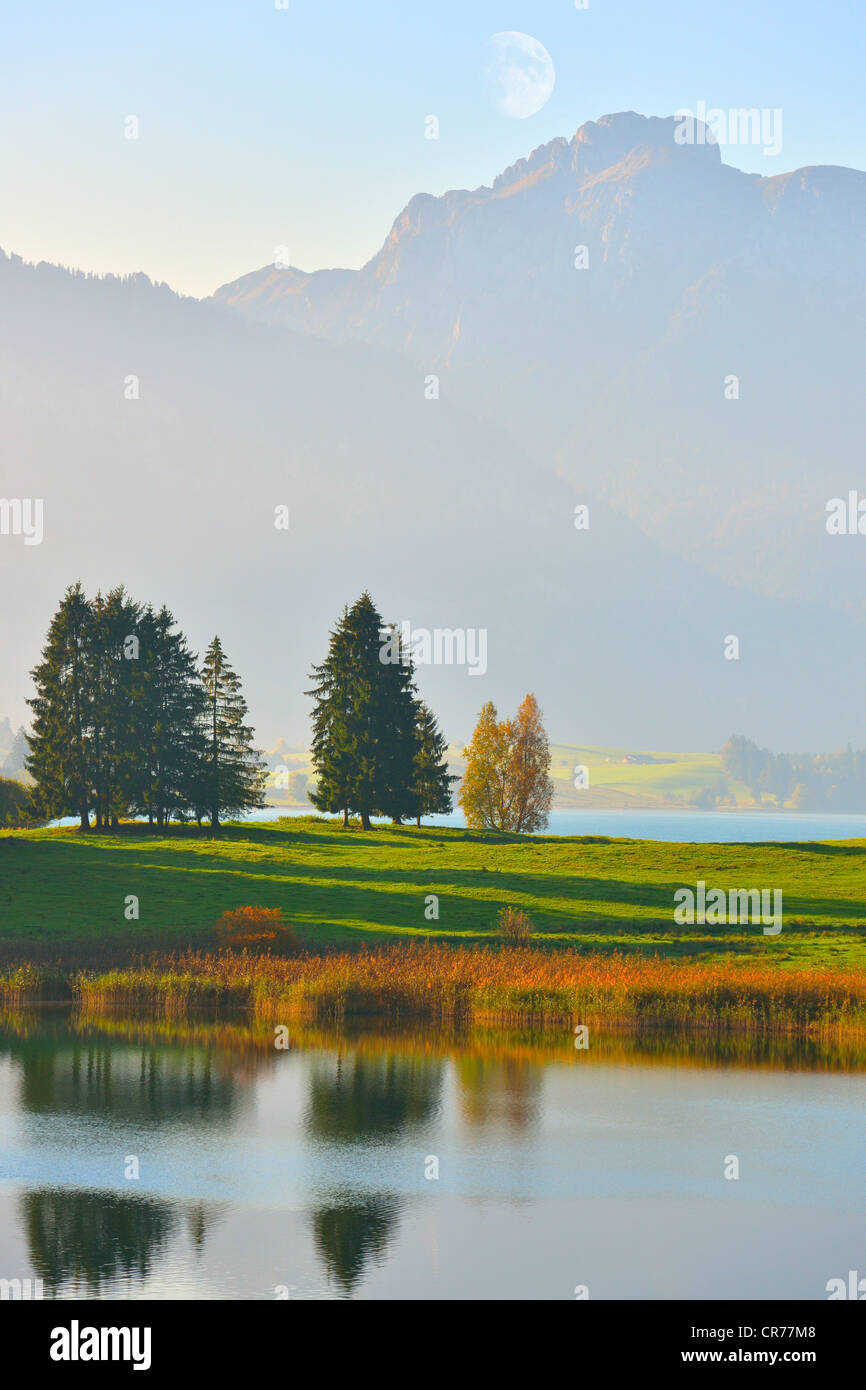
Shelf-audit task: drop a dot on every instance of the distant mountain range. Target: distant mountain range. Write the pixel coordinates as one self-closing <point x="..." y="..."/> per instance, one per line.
<point x="614" y="374"/>
<point x="162" y="432"/>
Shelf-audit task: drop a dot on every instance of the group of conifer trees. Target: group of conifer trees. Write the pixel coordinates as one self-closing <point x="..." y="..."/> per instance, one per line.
<point x="126" y="724"/>
<point x="377" y="748"/>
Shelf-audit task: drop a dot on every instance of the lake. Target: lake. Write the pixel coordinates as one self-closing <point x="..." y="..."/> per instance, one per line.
<point x="312" y="1172"/>
<point x="699" y="827"/>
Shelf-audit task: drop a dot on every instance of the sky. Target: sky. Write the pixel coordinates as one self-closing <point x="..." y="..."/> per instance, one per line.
<point x="304" y="127"/>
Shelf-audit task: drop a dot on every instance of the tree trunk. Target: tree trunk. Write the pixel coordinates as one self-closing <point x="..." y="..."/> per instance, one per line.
<point x="85" y="819"/>
<point x="215" y="810"/>
<point x="345" y="818"/>
<point x="365" y="821"/>
<point x="418" y="822"/>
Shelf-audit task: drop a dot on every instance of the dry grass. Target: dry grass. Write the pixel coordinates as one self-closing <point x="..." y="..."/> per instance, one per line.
<point x="437" y="982"/>
<point x="515" y="926"/>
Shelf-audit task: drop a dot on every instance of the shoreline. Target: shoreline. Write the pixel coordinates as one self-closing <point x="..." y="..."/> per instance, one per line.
<point x="236" y="1030"/>
<point x="520" y="986"/>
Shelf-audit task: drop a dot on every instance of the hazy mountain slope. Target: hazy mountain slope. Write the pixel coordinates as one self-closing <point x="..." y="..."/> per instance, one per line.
<point x="439" y="514"/>
<point x="616" y="374"/>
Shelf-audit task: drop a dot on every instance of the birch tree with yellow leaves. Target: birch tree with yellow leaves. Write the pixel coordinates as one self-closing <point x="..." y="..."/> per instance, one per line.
<point x="506" y="784"/>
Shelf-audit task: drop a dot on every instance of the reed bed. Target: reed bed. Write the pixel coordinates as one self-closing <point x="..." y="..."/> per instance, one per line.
<point x="21" y="984"/>
<point x="478" y="984"/>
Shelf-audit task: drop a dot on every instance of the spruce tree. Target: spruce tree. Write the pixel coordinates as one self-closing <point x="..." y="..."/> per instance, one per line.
<point x="115" y="691"/>
<point x="60" y="755"/>
<point x="232" y="775"/>
<point x="431" y="780"/>
<point x="363" y="721"/>
<point x="169" y="720"/>
<point x="399" y="718"/>
<point x="332" y="750"/>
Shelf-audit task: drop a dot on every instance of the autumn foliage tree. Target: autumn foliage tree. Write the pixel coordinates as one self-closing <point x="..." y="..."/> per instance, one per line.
<point x="530" y="768"/>
<point x="484" y="792"/>
<point x="506" y="784"/>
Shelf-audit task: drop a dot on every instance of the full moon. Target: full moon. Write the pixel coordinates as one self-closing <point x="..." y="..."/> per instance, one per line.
<point x="520" y="71"/>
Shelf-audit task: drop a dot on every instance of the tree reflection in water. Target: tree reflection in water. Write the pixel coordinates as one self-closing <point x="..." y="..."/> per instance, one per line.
<point x="87" y="1240"/>
<point x="350" y="1235"/>
<point x="357" y="1099"/>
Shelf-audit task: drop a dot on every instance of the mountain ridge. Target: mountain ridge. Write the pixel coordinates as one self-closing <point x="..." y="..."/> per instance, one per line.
<point x="605" y="368"/>
<point x="596" y="148"/>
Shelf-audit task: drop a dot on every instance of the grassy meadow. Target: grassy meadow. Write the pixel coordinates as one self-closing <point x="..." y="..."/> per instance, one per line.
<point x="351" y="888"/>
<point x="604" y="941"/>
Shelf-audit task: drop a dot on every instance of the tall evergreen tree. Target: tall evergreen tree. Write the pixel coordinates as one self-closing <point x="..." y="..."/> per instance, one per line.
<point x="399" y="703"/>
<point x="233" y="772"/>
<point x="364" y="719"/>
<point x="169" y="721"/>
<point x="115" y="690"/>
<point x="333" y="746"/>
<point x="431" y="780"/>
<point x="60" y="755"/>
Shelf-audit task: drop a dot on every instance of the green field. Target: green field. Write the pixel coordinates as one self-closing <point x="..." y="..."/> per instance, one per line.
<point x="60" y="888"/>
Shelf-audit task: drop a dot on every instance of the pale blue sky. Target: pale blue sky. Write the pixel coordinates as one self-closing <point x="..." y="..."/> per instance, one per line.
<point x="261" y="127"/>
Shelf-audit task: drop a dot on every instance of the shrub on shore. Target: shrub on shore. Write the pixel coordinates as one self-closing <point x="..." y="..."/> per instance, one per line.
<point x="255" y="927"/>
<point x="515" y="926"/>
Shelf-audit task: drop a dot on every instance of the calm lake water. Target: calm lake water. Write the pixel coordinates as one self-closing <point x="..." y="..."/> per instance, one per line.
<point x="305" y="1170"/>
<point x="700" y="827"/>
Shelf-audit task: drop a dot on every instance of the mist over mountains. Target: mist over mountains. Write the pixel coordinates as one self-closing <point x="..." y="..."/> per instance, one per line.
<point x="557" y="386"/>
<point x="615" y="374"/>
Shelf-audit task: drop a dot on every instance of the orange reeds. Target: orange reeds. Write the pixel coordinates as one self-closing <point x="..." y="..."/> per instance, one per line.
<point x="510" y="982"/>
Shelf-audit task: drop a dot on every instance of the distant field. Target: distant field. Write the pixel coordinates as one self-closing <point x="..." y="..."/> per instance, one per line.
<point x="627" y="777"/>
<point x="59" y="887"/>
<point x="619" y="778"/>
